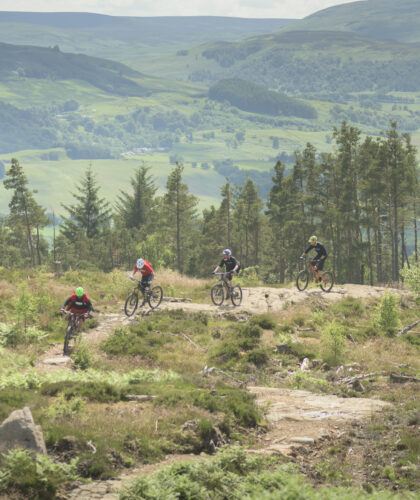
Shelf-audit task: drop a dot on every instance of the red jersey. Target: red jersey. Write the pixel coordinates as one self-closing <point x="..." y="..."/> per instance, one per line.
<point x="146" y="270"/>
<point x="77" y="304"/>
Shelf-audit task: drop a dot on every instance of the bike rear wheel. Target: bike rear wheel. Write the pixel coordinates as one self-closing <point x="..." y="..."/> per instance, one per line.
<point x="236" y="295"/>
<point x="327" y="281"/>
<point x="302" y="280"/>
<point x="131" y="303"/>
<point x="154" y="298"/>
<point x="217" y="294"/>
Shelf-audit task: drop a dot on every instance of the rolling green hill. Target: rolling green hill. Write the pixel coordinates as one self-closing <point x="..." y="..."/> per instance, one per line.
<point x="382" y="19"/>
<point x="256" y="99"/>
<point x="22" y="61"/>
<point x="306" y="62"/>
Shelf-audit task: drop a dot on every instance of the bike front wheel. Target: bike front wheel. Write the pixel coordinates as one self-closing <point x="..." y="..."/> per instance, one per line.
<point x="131" y="304"/>
<point x="327" y="281"/>
<point x="236" y="295"/>
<point x="67" y="338"/>
<point x="302" y="280"/>
<point x="217" y="295"/>
<point x="154" y="298"/>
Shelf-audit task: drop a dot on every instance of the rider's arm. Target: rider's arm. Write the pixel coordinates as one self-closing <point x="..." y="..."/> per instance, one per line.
<point x="66" y="303"/>
<point x="217" y="268"/>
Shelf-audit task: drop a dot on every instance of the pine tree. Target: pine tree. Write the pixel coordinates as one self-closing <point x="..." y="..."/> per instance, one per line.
<point x="137" y="209"/>
<point x="90" y="215"/>
<point x="179" y="217"/>
<point x="25" y="212"/>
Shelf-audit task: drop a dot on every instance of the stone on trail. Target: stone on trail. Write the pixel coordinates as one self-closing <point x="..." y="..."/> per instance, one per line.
<point x="20" y="431"/>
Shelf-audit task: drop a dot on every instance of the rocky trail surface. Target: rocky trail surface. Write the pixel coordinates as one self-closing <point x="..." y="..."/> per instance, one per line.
<point x="297" y="419"/>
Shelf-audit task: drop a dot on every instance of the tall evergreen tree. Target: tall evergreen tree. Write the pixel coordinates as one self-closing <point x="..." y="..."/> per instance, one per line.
<point x="137" y="209"/>
<point x="180" y="217"/>
<point x="25" y="212"/>
<point x="90" y="215"/>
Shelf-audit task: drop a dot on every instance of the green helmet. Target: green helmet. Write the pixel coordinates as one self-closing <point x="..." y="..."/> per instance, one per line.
<point x="313" y="239"/>
<point x="79" y="291"/>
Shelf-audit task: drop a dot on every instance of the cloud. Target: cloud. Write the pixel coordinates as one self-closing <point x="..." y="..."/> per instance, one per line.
<point x="233" y="8"/>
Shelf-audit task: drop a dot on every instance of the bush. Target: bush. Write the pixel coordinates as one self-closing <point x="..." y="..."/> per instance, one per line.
<point x="412" y="279"/>
<point x="82" y="357"/>
<point x="386" y="318"/>
<point x="258" y="357"/>
<point x="35" y="478"/>
<point x="333" y="341"/>
<point x="264" y="321"/>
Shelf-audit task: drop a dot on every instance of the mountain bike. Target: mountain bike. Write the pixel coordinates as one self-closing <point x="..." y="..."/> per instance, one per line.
<point x="222" y="289"/>
<point x="302" y="280"/>
<point x="153" y="296"/>
<point x="74" y="324"/>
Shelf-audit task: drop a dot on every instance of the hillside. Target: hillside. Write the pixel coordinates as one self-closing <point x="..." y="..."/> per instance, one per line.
<point x="381" y="19"/>
<point x="250" y="97"/>
<point x="21" y="61"/>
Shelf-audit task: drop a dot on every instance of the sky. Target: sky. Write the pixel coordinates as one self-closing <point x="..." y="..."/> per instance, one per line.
<point x="295" y="9"/>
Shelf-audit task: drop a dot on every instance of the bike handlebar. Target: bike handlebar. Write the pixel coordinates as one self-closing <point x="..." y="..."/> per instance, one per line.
<point x="74" y="314"/>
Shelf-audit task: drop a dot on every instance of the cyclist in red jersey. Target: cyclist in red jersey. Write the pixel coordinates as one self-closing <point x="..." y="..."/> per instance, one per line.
<point x="78" y="303"/>
<point x="146" y="270"/>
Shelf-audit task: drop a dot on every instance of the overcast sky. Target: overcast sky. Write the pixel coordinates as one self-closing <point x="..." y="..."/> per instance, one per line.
<point x="234" y="8"/>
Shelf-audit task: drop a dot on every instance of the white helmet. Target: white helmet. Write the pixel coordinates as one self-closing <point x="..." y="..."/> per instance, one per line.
<point x="140" y="263"/>
<point x="227" y="252"/>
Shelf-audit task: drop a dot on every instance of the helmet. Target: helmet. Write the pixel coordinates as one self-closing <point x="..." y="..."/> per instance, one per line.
<point x="140" y="263"/>
<point x="227" y="252"/>
<point x="79" y="291"/>
<point x="313" y="239"/>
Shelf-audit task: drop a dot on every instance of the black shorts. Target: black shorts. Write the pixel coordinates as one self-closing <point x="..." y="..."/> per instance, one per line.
<point x="319" y="264"/>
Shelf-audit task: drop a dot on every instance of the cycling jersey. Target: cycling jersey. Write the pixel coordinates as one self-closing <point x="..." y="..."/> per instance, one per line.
<point x="77" y="304"/>
<point x="230" y="263"/>
<point x="146" y="270"/>
<point x="320" y="251"/>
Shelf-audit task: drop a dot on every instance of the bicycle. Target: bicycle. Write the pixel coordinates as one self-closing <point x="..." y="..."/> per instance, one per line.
<point x="218" y="293"/>
<point x="302" y="280"/>
<point x="73" y="327"/>
<point x="153" y="297"/>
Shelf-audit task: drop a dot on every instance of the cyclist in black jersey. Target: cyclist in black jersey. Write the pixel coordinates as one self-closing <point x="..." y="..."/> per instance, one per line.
<point x="231" y="264"/>
<point x="320" y="257"/>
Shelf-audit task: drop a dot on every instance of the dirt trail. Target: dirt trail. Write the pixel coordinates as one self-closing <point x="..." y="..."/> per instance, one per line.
<point x="265" y="299"/>
<point x="297" y="419"/>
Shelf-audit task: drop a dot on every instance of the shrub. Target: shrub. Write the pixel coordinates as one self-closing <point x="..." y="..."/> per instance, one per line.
<point x="258" y="357"/>
<point x="13" y="335"/>
<point x="386" y="318"/>
<point x="333" y="341"/>
<point x="412" y="278"/>
<point x="35" y="478"/>
<point x="264" y="321"/>
<point x="82" y="356"/>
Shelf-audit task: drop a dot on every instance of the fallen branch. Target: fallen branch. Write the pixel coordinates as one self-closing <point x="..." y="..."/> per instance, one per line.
<point x="176" y="299"/>
<point x="408" y="327"/>
<point x="207" y="371"/>
<point x="402" y="379"/>
<point x="351" y="380"/>
<point x="140" y="397"/>
<point x="187" y="338"/>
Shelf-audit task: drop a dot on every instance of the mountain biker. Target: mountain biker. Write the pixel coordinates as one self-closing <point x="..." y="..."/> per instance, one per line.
<point x="319" y="260"/>
<point x="231" y="264"/>
<point x="78" y="303"/>
<point x="146" y="271"/>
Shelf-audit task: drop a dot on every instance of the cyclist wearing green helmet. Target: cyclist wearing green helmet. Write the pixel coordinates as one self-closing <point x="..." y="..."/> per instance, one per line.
<point x="78" y="303"/>
<point x="320" y="257"/>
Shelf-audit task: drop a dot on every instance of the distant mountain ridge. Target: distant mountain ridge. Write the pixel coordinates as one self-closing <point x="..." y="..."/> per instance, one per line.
<point x="381" y="19"/>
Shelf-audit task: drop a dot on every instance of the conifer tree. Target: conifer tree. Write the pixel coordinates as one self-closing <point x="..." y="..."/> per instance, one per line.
<point x="179" y="217"/>
<point x="90" y="215"/>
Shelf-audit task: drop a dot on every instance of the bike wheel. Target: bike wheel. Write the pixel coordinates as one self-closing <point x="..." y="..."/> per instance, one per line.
<point x="154" y="298"/>
<point x="302" y="280"/>
<point x="236" y="295"/>
<point x="67" y="338"/>
<point x="217" y="295"/>
<point x="131" y="304"/>
<point x="327" y="281"/>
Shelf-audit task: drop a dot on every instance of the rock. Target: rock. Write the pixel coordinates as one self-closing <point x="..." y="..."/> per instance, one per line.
<point x="305" y="365"/>
<point x="19" y="431"/>
<point x="302" y="440"/>
<point x="140" y="397"/>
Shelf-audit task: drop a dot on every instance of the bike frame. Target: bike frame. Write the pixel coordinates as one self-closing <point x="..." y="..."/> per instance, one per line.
<point x="224" y="280"/>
